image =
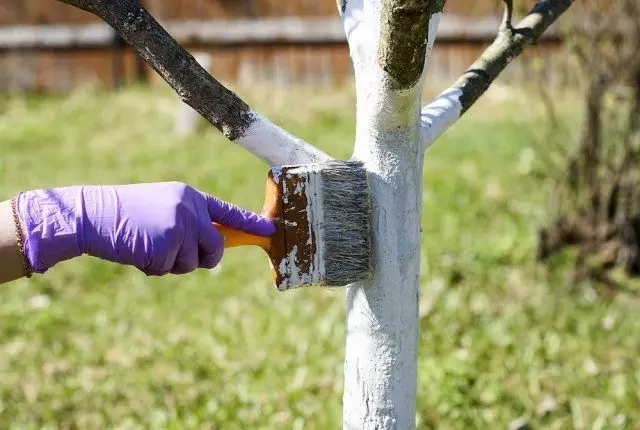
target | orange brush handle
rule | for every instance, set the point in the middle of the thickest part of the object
(233, 238)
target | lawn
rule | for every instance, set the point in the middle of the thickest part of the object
(94, 345)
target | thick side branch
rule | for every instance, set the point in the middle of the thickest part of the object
(193, 84)
(510, 42)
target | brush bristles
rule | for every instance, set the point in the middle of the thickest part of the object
(326, 220)
(344, 227)
(339, 218)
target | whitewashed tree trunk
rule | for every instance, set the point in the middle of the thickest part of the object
(382, 320)
(389, 41)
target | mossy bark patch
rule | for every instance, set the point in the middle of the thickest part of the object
(403, 39)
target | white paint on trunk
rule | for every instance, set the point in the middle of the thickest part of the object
(382, 313)
(431, 38)
(382, 320)
(278, 147)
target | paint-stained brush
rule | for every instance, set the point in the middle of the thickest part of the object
(322, 213)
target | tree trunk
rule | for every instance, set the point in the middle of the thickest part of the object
(390, 42)
(382, 321)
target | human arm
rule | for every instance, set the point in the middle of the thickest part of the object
(11, 266)
(158, 228)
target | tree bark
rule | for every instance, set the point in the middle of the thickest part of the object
(382, 320)
(389, 41)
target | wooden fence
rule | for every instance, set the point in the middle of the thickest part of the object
(46, 45)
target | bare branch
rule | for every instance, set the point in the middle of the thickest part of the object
(509, 43)
(508, 15)
(507, 46)
(195, 86)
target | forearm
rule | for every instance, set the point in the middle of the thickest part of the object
(114, 223)
(11, 262)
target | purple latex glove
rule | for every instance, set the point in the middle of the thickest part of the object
(159, 228)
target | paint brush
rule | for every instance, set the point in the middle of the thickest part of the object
(322, 215)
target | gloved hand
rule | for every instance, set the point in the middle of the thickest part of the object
(159, 228)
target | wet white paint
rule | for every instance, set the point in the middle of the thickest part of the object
(292, 275)
(433, 32)
(277, 173)
(440, 114)
(276, 146)
(382, 313)
(444, 110)
(315, 215)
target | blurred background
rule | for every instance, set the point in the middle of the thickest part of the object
(49, 46)
(529, 297)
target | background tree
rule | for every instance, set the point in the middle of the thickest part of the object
(597, 190)
(390, 41)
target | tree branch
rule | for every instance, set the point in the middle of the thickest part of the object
(508, 15)
(220, 106)
(510, 42)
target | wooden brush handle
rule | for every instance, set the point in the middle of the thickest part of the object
(233, 238)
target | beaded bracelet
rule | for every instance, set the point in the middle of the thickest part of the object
(28, 271)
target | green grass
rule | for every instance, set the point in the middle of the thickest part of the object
(94, 345)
